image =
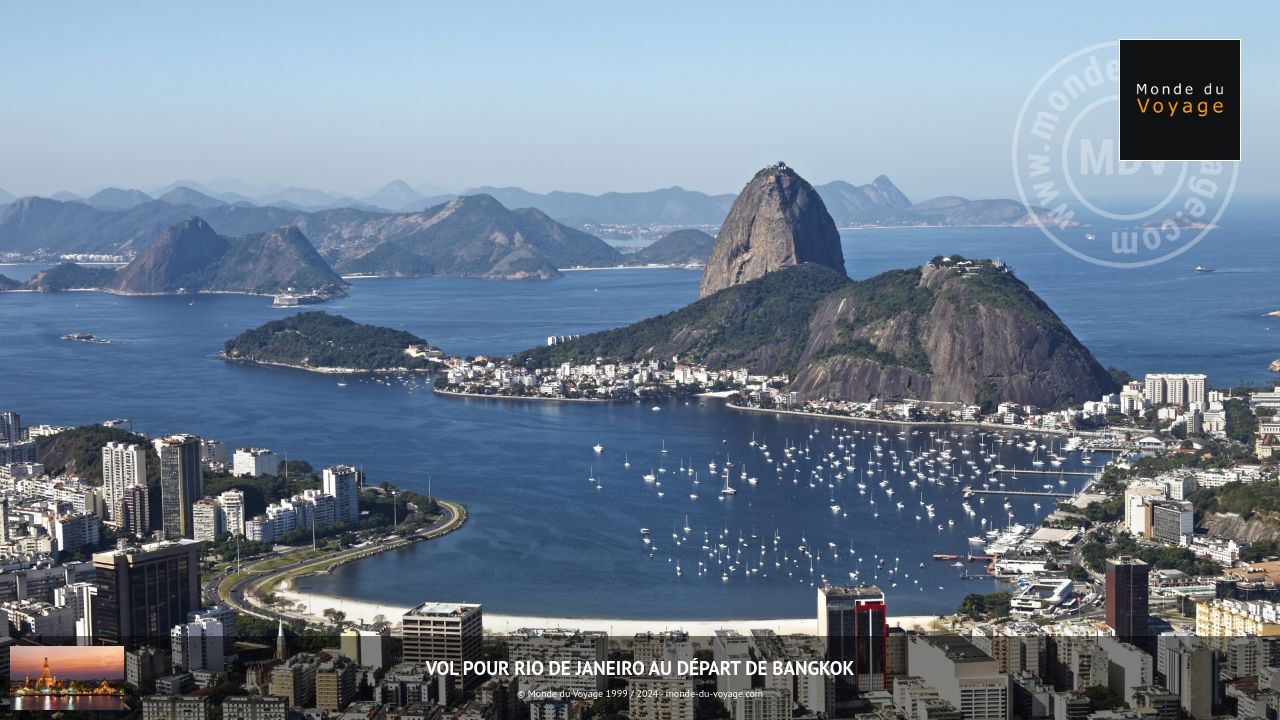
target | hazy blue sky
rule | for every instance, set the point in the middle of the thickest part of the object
(590, 96)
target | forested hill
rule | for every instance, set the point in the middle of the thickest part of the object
(320, 341)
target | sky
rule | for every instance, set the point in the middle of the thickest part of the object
(66, 662)
(589, 97)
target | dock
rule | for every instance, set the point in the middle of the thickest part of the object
(1055, 473)
(1025, 493)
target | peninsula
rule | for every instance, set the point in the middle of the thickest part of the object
(776, 301)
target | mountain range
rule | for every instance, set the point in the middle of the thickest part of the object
(775, 298)
(472, 235)
(877, 203)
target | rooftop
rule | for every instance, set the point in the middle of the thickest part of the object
(443, 609)
(956, 648)
(869, 592)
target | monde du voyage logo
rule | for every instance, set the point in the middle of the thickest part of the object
(1124, 152)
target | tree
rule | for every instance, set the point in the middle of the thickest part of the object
(335, 616)
(1103, 698)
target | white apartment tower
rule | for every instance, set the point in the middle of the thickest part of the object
(232, 504)
(206, 519)
(124, 465)
(340, 481)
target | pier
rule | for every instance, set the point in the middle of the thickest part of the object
(1055, 473)
(1026, 493)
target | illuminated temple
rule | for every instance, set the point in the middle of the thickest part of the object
(49, 684)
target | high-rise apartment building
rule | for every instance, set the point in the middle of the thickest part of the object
(206, 520)
(124, 465)
(231, 502)
(181, 483)
(341, 481)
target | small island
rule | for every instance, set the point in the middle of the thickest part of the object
(319, 342)
(85, 337)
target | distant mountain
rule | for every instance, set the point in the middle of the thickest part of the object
(852, 203)
(882, 203)
(681, 247)
(221, 190)
(778, 220)
(953, 211)
(5, 197)
(185, 196)
(300, 198)
(668, 206)
(474, 235)
(32, 225)
(190, 256)
(64, 196)
(396, 196)
(7, 283)
(877, 203)
(117, 199)
(70, 276)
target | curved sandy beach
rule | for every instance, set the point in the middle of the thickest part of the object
(360, 611)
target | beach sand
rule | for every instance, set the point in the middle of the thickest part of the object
(358, 611)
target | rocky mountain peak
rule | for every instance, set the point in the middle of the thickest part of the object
(777, 221)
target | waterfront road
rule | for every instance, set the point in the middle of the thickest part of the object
(235, 588)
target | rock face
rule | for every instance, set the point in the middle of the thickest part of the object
(778, 220)
(959, 331)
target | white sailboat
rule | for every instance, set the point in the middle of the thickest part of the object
(727, 489)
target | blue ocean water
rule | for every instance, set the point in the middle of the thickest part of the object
(542, 539)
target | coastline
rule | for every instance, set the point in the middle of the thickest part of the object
(125, 293)
(363, 611)
(660, 266)
(322, 370)
(539, 398)
(918, 423)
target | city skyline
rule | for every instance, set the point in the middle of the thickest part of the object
(595, 100)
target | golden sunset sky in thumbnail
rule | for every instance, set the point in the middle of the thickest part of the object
(66, 663)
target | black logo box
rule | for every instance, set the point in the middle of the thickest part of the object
(1181, 66)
